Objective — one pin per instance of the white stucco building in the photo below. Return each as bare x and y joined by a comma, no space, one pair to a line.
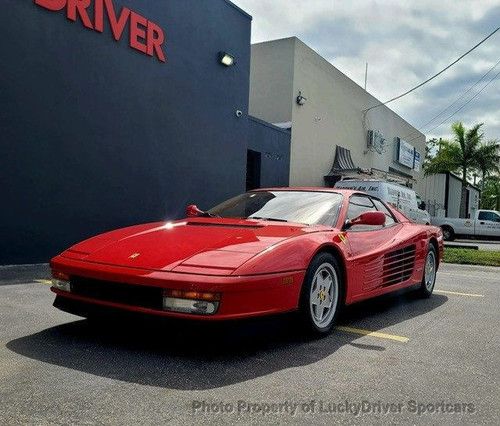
293,86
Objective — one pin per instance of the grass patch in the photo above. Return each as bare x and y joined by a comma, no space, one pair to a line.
471,257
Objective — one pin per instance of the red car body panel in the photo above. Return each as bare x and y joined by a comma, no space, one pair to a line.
257,266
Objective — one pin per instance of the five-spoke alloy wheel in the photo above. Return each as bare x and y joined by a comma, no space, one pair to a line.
322,293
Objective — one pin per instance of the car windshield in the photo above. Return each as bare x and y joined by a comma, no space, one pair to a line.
310,208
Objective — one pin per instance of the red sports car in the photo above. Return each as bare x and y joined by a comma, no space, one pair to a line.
263,252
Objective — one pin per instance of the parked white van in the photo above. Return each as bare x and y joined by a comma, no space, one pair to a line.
403,198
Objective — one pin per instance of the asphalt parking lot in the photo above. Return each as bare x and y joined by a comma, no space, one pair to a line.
393,359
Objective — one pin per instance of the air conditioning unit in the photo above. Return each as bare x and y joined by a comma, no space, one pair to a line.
375,141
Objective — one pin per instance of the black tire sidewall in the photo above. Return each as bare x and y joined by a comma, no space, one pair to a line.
305,310
450,230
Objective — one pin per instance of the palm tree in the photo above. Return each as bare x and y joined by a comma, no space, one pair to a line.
459,154
490,197
488,160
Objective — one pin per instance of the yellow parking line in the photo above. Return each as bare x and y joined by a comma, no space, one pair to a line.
458,293
46,282
373,334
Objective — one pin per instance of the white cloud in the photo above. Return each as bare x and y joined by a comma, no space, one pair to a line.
404,42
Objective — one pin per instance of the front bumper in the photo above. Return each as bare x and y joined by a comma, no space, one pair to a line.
241,296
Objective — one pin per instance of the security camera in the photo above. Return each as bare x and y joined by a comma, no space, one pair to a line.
301,100
239,113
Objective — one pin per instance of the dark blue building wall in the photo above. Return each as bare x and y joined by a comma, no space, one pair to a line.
96,135
273,144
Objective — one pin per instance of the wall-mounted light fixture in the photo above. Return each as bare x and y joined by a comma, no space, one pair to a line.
226,59
301,100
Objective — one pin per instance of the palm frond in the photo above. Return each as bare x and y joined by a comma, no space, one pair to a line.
448,159
487,158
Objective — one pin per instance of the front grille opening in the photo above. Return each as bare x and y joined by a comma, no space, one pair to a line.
109,291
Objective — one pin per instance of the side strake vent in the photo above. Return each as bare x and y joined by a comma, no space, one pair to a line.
398,266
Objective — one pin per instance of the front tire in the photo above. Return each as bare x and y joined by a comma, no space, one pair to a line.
448,233
322,294
430,269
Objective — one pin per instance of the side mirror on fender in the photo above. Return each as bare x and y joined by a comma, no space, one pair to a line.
192,211
367,218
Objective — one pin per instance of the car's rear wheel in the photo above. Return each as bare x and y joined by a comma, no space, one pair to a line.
430,269
448,233
321,294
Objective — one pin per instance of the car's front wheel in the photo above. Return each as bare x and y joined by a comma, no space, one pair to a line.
321,294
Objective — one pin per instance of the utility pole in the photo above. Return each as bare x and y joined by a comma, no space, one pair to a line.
366,74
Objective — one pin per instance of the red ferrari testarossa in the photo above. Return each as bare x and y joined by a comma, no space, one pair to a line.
263,252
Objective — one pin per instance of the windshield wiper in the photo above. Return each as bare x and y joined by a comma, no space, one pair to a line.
267,218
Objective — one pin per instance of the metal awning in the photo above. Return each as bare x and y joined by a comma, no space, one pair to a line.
342,164
344,168
343,160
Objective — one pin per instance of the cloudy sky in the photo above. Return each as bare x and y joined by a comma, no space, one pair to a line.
404,42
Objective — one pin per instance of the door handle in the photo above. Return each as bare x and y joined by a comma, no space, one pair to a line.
482,223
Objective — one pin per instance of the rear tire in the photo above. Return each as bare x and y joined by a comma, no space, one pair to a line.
322,294
430,269
448,233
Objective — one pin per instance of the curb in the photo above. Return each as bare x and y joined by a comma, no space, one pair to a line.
16,274
461,246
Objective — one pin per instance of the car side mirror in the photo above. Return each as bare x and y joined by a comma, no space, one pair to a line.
192,210
367,218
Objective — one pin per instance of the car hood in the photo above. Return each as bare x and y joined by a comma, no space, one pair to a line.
209,246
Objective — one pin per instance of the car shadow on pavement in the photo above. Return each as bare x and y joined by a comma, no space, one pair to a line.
198,356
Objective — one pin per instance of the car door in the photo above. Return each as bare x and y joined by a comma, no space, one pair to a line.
488,224
369,243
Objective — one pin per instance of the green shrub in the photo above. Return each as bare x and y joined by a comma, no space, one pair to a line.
471,257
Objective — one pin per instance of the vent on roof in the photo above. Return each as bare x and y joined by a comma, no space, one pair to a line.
398,266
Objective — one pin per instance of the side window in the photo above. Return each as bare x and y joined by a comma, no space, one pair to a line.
357,206
389,219
489,216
